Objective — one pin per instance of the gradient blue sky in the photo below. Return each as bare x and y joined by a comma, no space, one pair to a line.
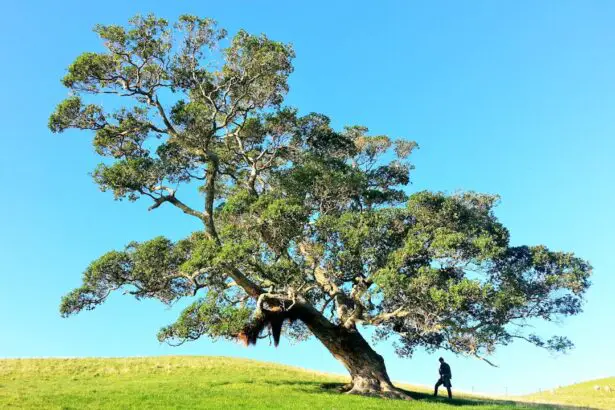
508,97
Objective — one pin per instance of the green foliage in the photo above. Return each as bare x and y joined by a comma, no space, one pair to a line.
149,269
126,138
71,113
103,275
92,70
128,177
262,67
212,316
455,228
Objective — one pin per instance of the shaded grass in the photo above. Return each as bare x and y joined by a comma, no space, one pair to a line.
185,382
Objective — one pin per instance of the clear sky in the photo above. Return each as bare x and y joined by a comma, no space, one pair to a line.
508,97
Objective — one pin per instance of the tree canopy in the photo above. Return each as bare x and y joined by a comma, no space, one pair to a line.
304,227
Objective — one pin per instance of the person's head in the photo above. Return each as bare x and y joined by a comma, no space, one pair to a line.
441,360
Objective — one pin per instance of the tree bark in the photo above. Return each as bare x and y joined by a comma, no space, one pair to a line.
366,367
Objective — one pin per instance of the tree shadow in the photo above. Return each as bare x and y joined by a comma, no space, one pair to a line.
336,388
292,383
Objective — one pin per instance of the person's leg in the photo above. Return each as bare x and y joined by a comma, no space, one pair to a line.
438,384
450,394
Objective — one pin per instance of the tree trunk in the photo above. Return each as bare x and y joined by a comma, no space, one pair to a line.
366,367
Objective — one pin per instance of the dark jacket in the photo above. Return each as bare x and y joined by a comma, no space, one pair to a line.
445,370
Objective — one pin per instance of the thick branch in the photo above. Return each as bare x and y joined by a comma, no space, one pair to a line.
210,186
165,119
342,301
179,204
383,317
242,280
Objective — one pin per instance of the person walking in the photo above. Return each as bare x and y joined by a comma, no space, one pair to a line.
445,378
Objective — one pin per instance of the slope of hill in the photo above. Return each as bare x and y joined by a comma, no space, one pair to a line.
598,394
174,382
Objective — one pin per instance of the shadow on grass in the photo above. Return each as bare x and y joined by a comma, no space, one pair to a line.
336,388
315,387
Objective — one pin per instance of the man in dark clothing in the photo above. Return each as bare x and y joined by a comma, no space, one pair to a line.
445,378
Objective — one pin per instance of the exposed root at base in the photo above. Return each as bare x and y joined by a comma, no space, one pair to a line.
345,388
387,393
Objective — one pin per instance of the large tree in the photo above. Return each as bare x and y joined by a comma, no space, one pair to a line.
306,230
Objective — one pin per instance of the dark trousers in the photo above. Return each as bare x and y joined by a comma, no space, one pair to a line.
447,383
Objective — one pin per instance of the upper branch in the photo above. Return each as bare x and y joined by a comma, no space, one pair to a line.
179,204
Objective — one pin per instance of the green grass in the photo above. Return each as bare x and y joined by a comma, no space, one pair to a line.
581,394
184,382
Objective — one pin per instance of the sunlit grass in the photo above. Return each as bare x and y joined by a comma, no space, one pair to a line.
581,394
184,382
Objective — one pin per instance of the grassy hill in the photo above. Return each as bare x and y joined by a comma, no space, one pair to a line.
581,394
178,382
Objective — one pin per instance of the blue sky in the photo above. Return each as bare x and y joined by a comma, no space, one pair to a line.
509,97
